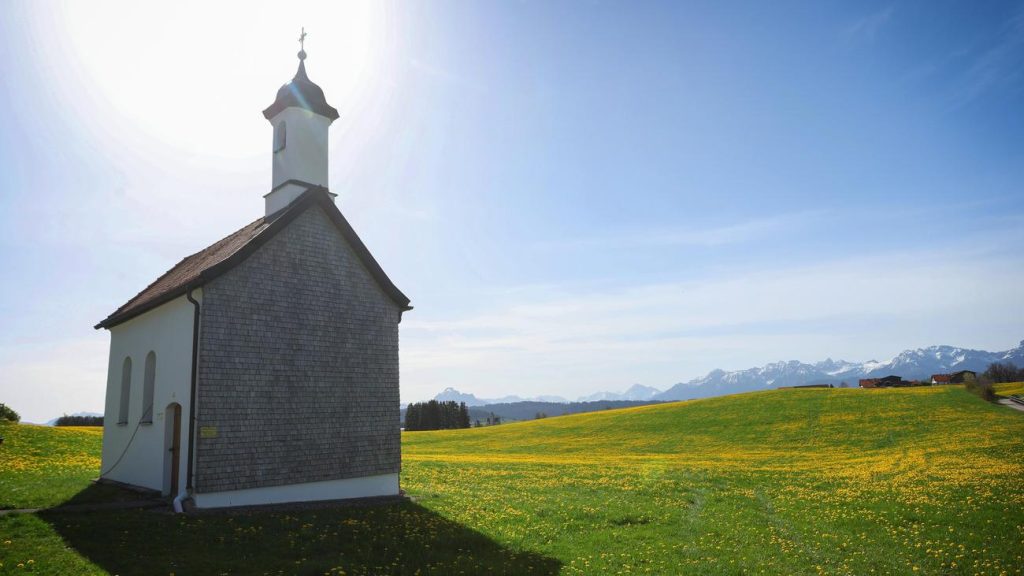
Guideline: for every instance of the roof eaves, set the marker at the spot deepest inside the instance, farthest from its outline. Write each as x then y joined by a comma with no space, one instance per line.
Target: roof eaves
313,195
119,318
128,311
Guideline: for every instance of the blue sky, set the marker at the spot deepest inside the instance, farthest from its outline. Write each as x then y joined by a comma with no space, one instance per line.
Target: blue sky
577,196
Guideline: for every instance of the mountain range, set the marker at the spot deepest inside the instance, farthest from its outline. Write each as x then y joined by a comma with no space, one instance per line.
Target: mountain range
451,394
635,392
909,364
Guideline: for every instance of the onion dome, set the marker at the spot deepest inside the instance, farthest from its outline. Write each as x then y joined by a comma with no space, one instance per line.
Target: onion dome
301,92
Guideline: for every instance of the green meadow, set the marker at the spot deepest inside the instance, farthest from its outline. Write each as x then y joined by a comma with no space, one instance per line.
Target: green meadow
811,481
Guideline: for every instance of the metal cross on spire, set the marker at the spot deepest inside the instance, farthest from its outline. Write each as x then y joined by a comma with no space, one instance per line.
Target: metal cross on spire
302,44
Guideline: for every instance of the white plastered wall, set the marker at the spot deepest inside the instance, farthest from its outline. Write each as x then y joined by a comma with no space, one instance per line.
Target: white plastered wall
304,156
167,331
367,486
281,197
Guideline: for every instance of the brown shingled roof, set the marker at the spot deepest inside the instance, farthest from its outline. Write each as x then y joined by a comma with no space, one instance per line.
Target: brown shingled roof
224,254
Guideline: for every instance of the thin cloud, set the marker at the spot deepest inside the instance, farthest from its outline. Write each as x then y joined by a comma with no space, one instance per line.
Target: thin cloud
660,334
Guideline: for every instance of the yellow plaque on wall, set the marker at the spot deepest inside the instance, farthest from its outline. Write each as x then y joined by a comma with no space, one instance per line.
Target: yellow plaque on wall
207,431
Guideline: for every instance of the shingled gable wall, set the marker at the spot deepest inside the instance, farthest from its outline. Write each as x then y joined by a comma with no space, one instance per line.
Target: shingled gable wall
298,366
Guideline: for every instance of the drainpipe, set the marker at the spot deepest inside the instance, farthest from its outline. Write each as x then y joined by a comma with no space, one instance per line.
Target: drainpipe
178,508
191,401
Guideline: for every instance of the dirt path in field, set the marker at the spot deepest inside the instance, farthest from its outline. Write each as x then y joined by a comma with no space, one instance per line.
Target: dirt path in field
1012,404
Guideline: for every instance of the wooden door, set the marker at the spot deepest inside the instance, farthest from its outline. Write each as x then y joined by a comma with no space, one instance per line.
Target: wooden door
175,448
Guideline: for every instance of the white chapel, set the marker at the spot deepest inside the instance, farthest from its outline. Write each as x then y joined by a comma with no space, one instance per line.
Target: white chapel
263,368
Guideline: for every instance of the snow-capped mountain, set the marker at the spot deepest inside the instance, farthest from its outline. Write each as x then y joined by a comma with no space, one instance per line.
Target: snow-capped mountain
910,364
949,359
718,382
635,392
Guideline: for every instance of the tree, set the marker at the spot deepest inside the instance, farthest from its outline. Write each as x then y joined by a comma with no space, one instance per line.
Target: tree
410,417
8,414
66,420
540,415
843,384
982,387
1003,372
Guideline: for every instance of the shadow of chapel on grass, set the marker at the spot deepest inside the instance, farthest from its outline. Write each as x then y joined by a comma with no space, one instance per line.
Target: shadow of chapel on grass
97,493
399,538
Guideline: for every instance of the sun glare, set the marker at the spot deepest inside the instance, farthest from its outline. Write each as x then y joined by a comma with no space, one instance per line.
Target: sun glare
195,75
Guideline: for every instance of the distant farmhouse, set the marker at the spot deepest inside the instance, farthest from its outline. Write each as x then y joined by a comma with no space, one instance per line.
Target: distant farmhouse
884,382
936,379
954,378
263,368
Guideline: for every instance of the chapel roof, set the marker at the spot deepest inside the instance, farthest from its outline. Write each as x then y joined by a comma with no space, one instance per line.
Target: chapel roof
303,93
224,254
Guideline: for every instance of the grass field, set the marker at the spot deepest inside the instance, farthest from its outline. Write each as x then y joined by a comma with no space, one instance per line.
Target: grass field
42,466
899,481
1011,388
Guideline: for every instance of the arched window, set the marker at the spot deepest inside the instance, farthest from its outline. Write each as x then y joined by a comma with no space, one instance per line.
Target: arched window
126,390
280,136
147,388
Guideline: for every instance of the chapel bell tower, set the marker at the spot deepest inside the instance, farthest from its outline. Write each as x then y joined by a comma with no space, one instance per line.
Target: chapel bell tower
301,118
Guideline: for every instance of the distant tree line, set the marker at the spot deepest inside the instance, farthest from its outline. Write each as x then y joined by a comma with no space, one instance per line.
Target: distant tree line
66,420
529,409
434,415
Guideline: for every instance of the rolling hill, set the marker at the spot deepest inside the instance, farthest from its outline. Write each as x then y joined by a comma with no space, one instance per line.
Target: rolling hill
810,481
838,481
529,409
